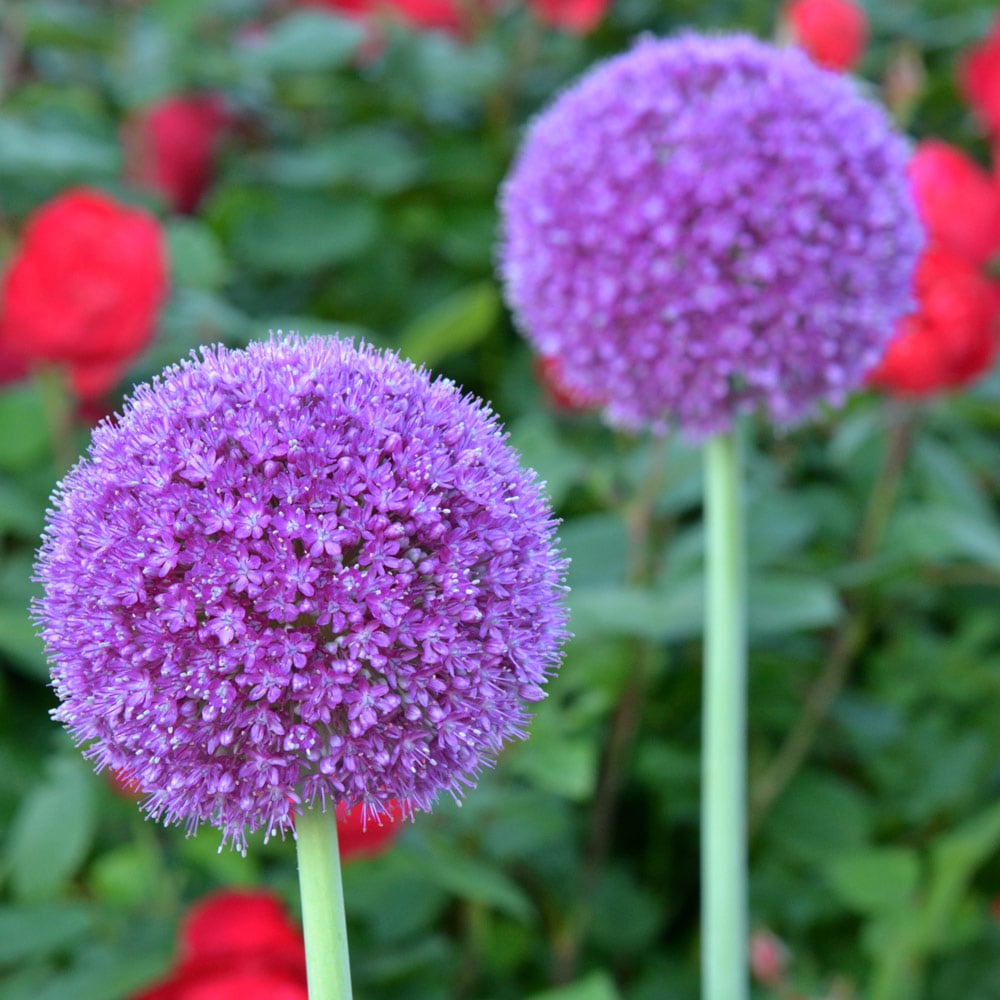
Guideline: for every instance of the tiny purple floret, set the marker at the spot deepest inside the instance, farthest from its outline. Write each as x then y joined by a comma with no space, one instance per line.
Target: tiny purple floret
300,572
706,226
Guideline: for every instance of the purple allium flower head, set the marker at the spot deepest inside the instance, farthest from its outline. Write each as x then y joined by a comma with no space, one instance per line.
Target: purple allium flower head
704,226
301,571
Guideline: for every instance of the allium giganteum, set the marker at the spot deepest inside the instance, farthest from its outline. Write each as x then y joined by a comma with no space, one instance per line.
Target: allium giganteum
707,226
300,572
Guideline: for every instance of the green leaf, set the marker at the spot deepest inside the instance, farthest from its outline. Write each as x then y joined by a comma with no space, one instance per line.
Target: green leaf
298,233
196,257
23,407
21,513
19,641
472,879
610,610
596,986
875,880
933,533
949,480
58,22
596,546
556,762
375,158
819,817
99,972
127,875
461,321
307,41
37,152
52,831
32,932
536,440
780,603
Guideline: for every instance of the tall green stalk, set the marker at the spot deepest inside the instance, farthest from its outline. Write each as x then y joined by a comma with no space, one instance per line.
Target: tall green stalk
323,922
724,768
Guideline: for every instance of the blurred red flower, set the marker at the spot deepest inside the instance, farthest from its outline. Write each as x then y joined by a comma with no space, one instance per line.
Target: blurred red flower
979,78
442,14
170,148
958,201
235,945
232,923
13,367
361,837
768,958
951,339
833,32
84,288
576,16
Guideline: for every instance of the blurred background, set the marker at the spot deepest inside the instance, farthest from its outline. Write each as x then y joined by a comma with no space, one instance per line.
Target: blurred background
176,173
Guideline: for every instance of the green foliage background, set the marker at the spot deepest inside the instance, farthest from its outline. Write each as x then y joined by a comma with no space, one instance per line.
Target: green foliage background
359,196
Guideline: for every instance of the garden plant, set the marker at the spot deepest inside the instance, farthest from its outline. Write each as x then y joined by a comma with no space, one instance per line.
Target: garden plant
499,500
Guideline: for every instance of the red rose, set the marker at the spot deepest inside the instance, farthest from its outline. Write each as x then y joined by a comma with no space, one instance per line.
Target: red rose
13,367
253,980
979,78
576,16
951,339
441,14
84,288
235,945
833,32
232,923
170,148
958,202
361,837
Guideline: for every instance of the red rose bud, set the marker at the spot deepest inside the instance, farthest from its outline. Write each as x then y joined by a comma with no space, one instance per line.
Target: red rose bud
833,32
84,289
170,148
958,202
576,16
951,339
979,78
364,836
768,958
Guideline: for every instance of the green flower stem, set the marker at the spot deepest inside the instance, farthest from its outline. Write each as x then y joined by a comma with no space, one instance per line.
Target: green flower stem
323,922
724,767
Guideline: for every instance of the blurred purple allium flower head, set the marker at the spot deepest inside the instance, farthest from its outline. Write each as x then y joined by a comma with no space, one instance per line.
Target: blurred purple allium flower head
705,226
299,572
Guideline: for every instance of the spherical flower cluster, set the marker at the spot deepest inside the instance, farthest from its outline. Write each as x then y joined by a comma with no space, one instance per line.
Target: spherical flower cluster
84,289
704,226
303,572
833,32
